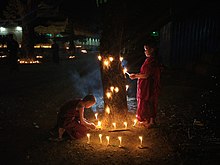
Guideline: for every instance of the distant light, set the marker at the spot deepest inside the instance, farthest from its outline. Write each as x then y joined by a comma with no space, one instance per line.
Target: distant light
2,29
154,34
18,28
84,51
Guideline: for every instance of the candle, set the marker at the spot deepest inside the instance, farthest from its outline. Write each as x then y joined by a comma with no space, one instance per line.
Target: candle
99,125
88,136
120,140
107,110
107,138
100,138
96,116
135,122
126,125
116,89
108,94
141,140
114,125
112,88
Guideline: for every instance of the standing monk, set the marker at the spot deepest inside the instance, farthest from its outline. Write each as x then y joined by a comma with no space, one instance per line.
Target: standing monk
148,86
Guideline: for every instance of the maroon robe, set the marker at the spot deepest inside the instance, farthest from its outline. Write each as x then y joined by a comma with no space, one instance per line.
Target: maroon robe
148,90
69,119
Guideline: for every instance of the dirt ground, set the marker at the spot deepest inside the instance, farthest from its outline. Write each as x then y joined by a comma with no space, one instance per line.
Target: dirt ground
187,130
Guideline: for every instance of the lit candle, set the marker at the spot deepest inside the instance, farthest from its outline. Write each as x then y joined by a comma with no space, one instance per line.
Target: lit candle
121,58
126,125
108,94
100,138
100,58
116,89
107,138
141,140
88,136
99,125
114,125
120,140
111,59
127,86
107,110
96,116
112,88
135,122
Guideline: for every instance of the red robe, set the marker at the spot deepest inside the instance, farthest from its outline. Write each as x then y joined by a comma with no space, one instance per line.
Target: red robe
69,119
148,90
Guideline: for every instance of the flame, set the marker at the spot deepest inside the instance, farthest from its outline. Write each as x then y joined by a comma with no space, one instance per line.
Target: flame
114,125
111,59
112,88
108,139
99,125
106,63
135,122
120,140
121,59
99,57
126,125
107,110
141,140
116,89
125,70
108,94
96,116
100,138
127,86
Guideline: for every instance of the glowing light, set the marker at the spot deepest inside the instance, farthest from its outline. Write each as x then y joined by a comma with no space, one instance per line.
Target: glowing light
18,28
108,139
106,62
125,70
99,125
107,110
100,138
114,125
39,56
84,51
2,29
112,88
99,57
96,116
127,86
120,141
108,94
111,59
121,58
71,56
141,140
116,89
126,125
135,122
88,138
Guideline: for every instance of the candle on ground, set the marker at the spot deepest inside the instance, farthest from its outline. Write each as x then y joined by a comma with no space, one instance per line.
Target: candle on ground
120,140
88,136
107,138
100,138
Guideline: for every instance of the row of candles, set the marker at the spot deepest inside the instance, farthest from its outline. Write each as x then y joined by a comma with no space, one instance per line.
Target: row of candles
99,125
108,140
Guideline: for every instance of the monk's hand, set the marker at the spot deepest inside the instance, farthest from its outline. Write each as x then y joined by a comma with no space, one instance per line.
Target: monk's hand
132,76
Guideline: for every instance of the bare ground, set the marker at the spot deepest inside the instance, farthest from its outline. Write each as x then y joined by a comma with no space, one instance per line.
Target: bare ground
187,130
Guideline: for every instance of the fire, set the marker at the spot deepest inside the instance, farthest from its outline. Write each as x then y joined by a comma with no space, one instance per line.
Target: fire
112,88
135,122
108,94
125,70
100,138
106,63
114,125
116,89
126,125
127,86
107,110
111,59
99,57
108,139
121,59
99,125
120,141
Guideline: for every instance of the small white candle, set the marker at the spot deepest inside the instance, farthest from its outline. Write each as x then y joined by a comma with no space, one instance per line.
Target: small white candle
135,122
88,136
114,125
120,140
126,125
141,141
100,138
96,116
107,138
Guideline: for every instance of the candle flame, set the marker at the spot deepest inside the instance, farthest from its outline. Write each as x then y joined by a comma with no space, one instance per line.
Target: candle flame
112,88
106,63
107,138
120,140
121,58
114,125
107,110
141,139
99,57
125,70
111,59
108,94
100,138
96,116
126,125
99,125
127,86
116,89
135,122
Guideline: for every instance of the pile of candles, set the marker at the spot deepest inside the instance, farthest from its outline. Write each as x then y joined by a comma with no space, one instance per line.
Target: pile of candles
108,140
